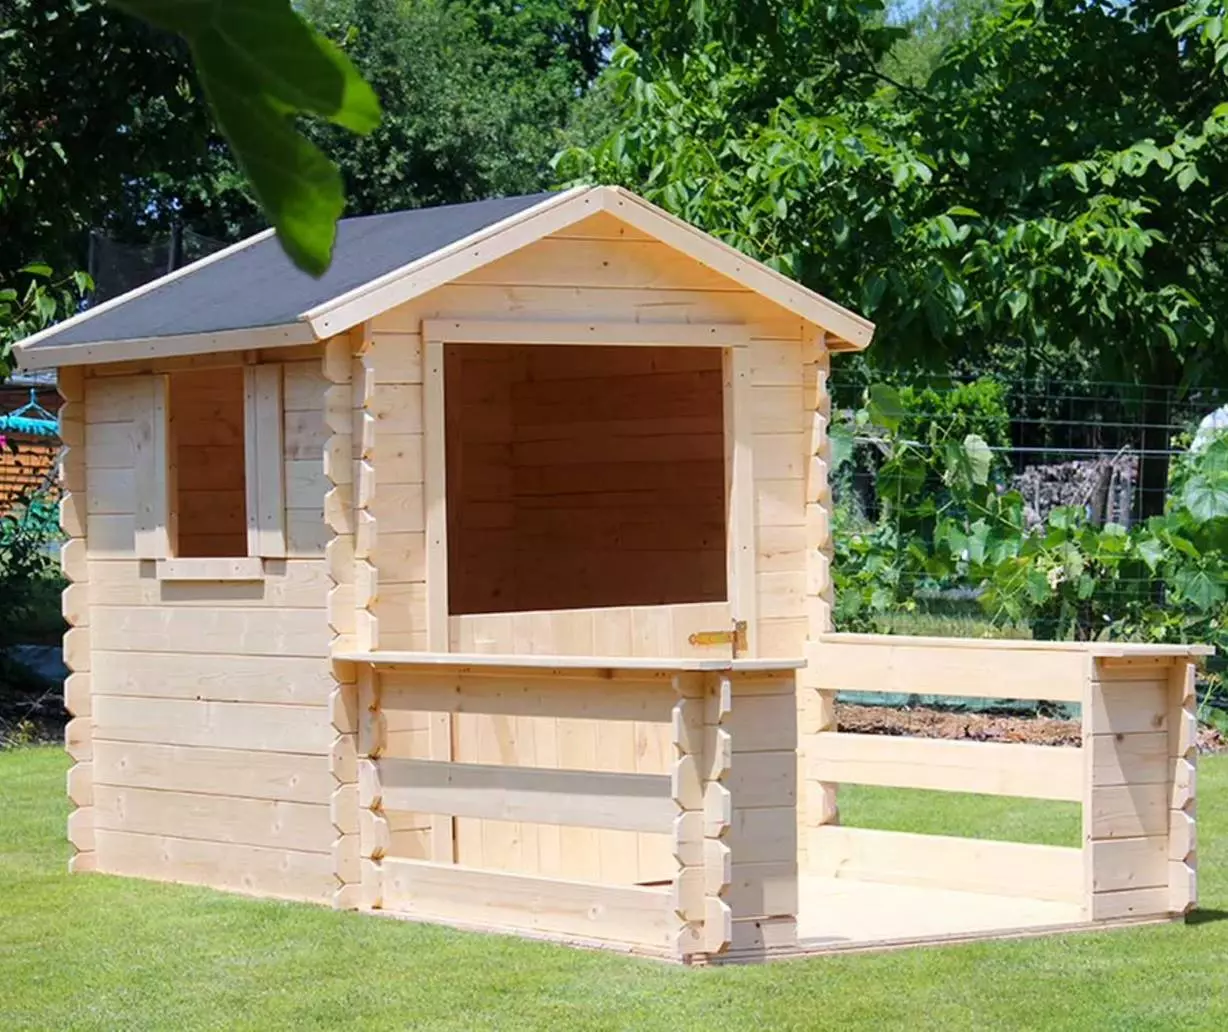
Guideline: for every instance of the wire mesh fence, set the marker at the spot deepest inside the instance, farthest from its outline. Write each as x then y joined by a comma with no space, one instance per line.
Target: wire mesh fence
992,507
117,267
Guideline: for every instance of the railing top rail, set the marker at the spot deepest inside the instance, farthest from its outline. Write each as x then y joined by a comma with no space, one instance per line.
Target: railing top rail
495,660
1096,649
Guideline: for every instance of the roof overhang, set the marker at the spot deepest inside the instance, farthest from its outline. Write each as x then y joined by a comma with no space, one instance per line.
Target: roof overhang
846,330
55,356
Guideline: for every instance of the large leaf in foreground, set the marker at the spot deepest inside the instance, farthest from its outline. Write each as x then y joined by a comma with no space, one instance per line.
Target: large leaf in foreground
261,65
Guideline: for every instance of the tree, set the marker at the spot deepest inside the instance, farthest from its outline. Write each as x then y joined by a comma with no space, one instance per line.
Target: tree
475,96
1058,186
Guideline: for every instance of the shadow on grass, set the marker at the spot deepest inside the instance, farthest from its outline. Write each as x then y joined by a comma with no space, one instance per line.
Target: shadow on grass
1207,916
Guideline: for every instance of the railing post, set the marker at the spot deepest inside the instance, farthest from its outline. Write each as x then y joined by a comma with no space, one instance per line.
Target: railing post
373,830
687,789
1138,740
1183,754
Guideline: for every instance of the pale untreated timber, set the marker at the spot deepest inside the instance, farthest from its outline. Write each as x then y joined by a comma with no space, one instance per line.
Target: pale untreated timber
992,768
1000,672
280,824
638,916
626,802
239,773
254,870
236,725
970,865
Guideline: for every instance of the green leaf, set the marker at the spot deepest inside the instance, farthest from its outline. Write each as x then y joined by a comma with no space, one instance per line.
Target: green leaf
840,438
1206,496
261,65
1199,587
1151,551
885,406
979,458
37,269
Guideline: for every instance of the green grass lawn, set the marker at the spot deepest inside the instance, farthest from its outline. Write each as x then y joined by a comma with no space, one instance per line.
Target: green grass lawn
109,953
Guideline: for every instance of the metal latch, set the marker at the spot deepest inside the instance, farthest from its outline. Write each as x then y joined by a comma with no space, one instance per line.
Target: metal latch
735,638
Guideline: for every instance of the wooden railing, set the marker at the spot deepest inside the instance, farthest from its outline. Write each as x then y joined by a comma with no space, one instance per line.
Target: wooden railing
1133,775
615,806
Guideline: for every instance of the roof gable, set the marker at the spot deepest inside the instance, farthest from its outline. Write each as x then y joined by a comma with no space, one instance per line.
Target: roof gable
252,290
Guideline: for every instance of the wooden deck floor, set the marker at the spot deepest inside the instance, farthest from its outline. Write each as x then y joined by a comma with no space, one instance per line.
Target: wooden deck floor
842,912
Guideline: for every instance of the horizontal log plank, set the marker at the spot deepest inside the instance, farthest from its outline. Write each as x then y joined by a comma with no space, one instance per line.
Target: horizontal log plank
275,824
632,915
224,772
530,694
230,725
623,802
932,669
254,870
990,768
938,861
212,678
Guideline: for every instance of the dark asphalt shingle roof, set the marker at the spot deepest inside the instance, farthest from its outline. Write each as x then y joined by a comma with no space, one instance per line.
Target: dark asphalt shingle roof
258,285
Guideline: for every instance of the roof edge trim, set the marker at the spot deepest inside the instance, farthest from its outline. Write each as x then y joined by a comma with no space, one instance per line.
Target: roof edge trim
432,270
132,295
52,356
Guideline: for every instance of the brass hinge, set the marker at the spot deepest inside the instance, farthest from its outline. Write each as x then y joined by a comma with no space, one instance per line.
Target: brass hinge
735,638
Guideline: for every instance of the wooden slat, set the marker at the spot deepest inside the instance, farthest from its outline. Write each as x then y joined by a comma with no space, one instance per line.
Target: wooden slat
212,678
969,865
637,916
625,802
533,694
435,497
481,331
225,772
151,463
1130,863
276,824
237,631
266,492
1138,759
991,768
253,870
230,725
996,671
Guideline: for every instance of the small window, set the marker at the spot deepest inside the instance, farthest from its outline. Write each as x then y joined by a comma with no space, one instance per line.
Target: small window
208,462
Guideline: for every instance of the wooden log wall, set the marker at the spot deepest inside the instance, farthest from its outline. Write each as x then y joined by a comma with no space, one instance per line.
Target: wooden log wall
79,733
213,753
1139,816
817,803
600,269
343,616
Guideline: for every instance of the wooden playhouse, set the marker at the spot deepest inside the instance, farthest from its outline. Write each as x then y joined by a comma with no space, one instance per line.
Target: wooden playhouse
485,581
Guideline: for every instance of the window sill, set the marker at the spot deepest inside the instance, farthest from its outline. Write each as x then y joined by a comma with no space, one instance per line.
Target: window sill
245,569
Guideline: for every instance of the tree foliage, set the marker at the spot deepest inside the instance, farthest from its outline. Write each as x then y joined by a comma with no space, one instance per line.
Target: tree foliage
475,96
1058,183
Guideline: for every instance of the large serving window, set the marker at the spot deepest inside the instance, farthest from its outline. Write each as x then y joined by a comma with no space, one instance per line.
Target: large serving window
583,476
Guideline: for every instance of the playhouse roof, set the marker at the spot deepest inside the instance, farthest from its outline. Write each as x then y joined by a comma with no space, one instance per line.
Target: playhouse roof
251,296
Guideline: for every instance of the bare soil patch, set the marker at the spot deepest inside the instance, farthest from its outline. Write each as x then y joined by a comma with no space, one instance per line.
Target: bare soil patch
921,722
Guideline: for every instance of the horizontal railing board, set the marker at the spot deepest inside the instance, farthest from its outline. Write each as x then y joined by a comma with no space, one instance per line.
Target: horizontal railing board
939,861
1111,650
625,914
990,768
591,799
896,666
